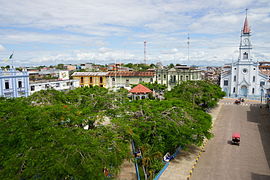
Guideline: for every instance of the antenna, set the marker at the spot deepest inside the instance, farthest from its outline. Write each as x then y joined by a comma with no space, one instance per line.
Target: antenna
188,42
246,11
144,52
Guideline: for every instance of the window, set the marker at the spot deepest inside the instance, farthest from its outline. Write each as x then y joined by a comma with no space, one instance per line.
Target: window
181,78
252,90
262,83
164,76
6,85
234,68
81,79
113,79
151,79
186,77
32,88
127,82
253,78
140,80
101,80
101,85
234,78
234,90
226,82
57,85
91,79
19,84
244,71
254,69
245,55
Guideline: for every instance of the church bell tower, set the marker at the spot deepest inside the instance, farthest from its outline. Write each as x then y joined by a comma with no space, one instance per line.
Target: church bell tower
245,43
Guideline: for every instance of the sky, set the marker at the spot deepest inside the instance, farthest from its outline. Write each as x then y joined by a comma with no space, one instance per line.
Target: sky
49,32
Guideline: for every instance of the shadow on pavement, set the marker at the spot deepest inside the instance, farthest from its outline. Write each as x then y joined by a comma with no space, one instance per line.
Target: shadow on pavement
261,116
255,176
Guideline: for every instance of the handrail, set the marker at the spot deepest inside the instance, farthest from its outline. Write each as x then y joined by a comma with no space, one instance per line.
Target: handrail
135,161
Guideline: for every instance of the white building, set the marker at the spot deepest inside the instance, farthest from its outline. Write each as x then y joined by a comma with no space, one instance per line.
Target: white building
14,83
244,79
174,76
60,85
125,79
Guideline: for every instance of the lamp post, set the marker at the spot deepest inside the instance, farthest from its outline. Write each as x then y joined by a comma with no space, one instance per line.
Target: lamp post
261,94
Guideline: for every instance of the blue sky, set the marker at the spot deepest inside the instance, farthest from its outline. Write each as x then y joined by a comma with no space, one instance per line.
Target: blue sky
67,31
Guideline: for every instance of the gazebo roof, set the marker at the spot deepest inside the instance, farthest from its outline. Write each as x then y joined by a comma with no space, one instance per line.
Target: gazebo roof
140,89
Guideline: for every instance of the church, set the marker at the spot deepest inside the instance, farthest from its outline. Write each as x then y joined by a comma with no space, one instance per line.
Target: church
243,77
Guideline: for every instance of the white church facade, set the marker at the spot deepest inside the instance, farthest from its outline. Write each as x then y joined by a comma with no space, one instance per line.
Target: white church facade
244,78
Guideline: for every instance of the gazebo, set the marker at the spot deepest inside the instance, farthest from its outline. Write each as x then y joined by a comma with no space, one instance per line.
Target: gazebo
140,92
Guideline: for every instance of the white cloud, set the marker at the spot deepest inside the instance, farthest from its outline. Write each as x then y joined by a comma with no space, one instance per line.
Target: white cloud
101,30
2,48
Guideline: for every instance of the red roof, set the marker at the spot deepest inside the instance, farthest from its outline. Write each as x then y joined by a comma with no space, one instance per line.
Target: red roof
140,89
246,29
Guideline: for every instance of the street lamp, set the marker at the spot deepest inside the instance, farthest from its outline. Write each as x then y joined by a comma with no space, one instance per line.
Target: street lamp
261,85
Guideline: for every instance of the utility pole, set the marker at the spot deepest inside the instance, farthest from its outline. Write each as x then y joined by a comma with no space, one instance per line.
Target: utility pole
144,52
188,42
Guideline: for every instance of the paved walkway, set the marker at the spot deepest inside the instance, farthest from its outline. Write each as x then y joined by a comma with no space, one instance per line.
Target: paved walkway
127,171
180,167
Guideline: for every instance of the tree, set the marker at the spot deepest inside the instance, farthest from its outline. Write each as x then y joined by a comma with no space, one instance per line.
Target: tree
43,136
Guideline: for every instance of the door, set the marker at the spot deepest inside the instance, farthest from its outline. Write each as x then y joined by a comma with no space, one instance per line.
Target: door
244,91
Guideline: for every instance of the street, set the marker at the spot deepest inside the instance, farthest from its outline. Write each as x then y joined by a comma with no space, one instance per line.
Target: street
250,160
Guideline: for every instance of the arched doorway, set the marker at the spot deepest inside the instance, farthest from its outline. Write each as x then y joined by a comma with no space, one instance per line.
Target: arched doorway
244,91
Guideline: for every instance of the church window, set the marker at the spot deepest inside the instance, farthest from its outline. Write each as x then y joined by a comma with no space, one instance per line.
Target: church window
234,78
244,71
245,55
253,78
262,83
234,90
226,82
252,90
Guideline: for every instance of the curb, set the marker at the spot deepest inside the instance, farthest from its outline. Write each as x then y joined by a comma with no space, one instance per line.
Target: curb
197,159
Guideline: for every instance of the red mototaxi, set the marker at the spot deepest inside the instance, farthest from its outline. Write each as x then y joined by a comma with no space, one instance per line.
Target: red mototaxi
236,138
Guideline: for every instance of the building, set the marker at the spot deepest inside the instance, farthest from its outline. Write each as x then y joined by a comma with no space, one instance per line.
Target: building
59,85
140,92
14,83
91,78
243,78
125,79
174,76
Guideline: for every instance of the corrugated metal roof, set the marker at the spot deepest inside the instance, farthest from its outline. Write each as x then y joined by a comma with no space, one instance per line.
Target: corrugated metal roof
89,74
132,73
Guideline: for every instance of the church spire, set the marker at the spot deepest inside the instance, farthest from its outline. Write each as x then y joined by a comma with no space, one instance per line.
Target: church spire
246,29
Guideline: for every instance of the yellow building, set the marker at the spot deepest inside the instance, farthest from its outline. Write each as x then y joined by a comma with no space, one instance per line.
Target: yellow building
91,78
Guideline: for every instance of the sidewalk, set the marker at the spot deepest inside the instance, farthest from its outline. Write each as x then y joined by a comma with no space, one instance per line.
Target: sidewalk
180,167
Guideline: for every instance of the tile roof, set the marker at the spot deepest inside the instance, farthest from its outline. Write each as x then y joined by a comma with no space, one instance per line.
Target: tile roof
89,74
131,73
140,89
